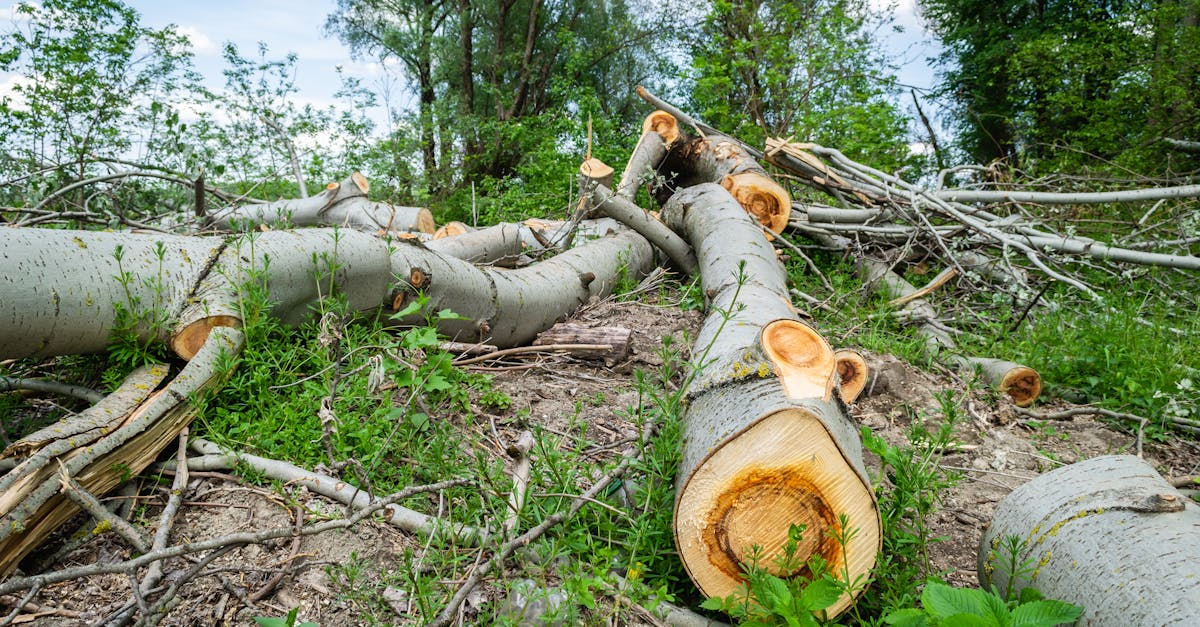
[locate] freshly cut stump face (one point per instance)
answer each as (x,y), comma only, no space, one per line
(1023,384)
(732,507)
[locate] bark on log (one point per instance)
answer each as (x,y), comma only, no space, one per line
(33,507)
(500,245)
(509,307)
(619,339)
(1108,534)
(659,131)
(624,211)
(341,204)
(767,443)
(720,159)
(61,291)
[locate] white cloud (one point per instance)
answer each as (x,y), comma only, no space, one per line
(201,43)
(8,86)
(9,13)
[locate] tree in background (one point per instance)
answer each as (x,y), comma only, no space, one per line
(499,81)
(810,70)
(1055,84)
(91,84)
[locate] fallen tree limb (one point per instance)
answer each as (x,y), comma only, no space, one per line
(15,584)
(1108,534)
(33,508)
(767,443)
(9,384)
(398,516)
(624,211)
(1075,198)
(341,204)
(1021,383)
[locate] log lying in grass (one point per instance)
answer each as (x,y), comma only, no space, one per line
(509,307)
(33,507)
(659,131)
(1021,383)
(63,290)
(619,340)
(341,204)
(767,443)
(1108,534)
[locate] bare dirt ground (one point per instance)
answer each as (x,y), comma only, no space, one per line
(999,450)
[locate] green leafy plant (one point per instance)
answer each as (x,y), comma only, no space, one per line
(767,599)
(943,605)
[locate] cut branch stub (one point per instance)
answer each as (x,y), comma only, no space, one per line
(766,446)
(852,373)
(1108,534)
(664,124)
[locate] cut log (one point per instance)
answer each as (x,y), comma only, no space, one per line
(619,339)
(33,508)
(500,245)
(852,374)
(716,158)
(594,172)
(767,443)
(624,211)
(509,307)
(341,204)
(659,131)
(450,229)
(1108,534)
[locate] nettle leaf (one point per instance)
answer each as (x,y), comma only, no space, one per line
(437,383)
(820,594)
(775,594)
(1045,614)
(969,620)
(943,601)
(713,603)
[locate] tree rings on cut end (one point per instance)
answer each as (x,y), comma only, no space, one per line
(803,360)
(424,221)
(450,229)
(664,124)
(1023,384)
(188,341)
(783,470)
(852,371)
(761,197)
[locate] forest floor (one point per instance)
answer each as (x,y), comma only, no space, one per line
(332,576)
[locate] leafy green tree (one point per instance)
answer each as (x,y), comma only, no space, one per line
(809,69)
(90,84)
(494,79)
(1053,84)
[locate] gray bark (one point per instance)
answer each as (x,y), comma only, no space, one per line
(751,432)
(342,204)
(624,211)
(1108,534)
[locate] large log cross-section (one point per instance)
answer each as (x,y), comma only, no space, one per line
(767,442)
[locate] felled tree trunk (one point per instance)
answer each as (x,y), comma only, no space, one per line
(659,131)
(68,292)
(716,158)
(767,443)
(341,204)
(1108,534)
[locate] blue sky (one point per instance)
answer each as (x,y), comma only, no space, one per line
(297,25)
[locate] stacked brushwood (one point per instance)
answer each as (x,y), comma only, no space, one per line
(768,442)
